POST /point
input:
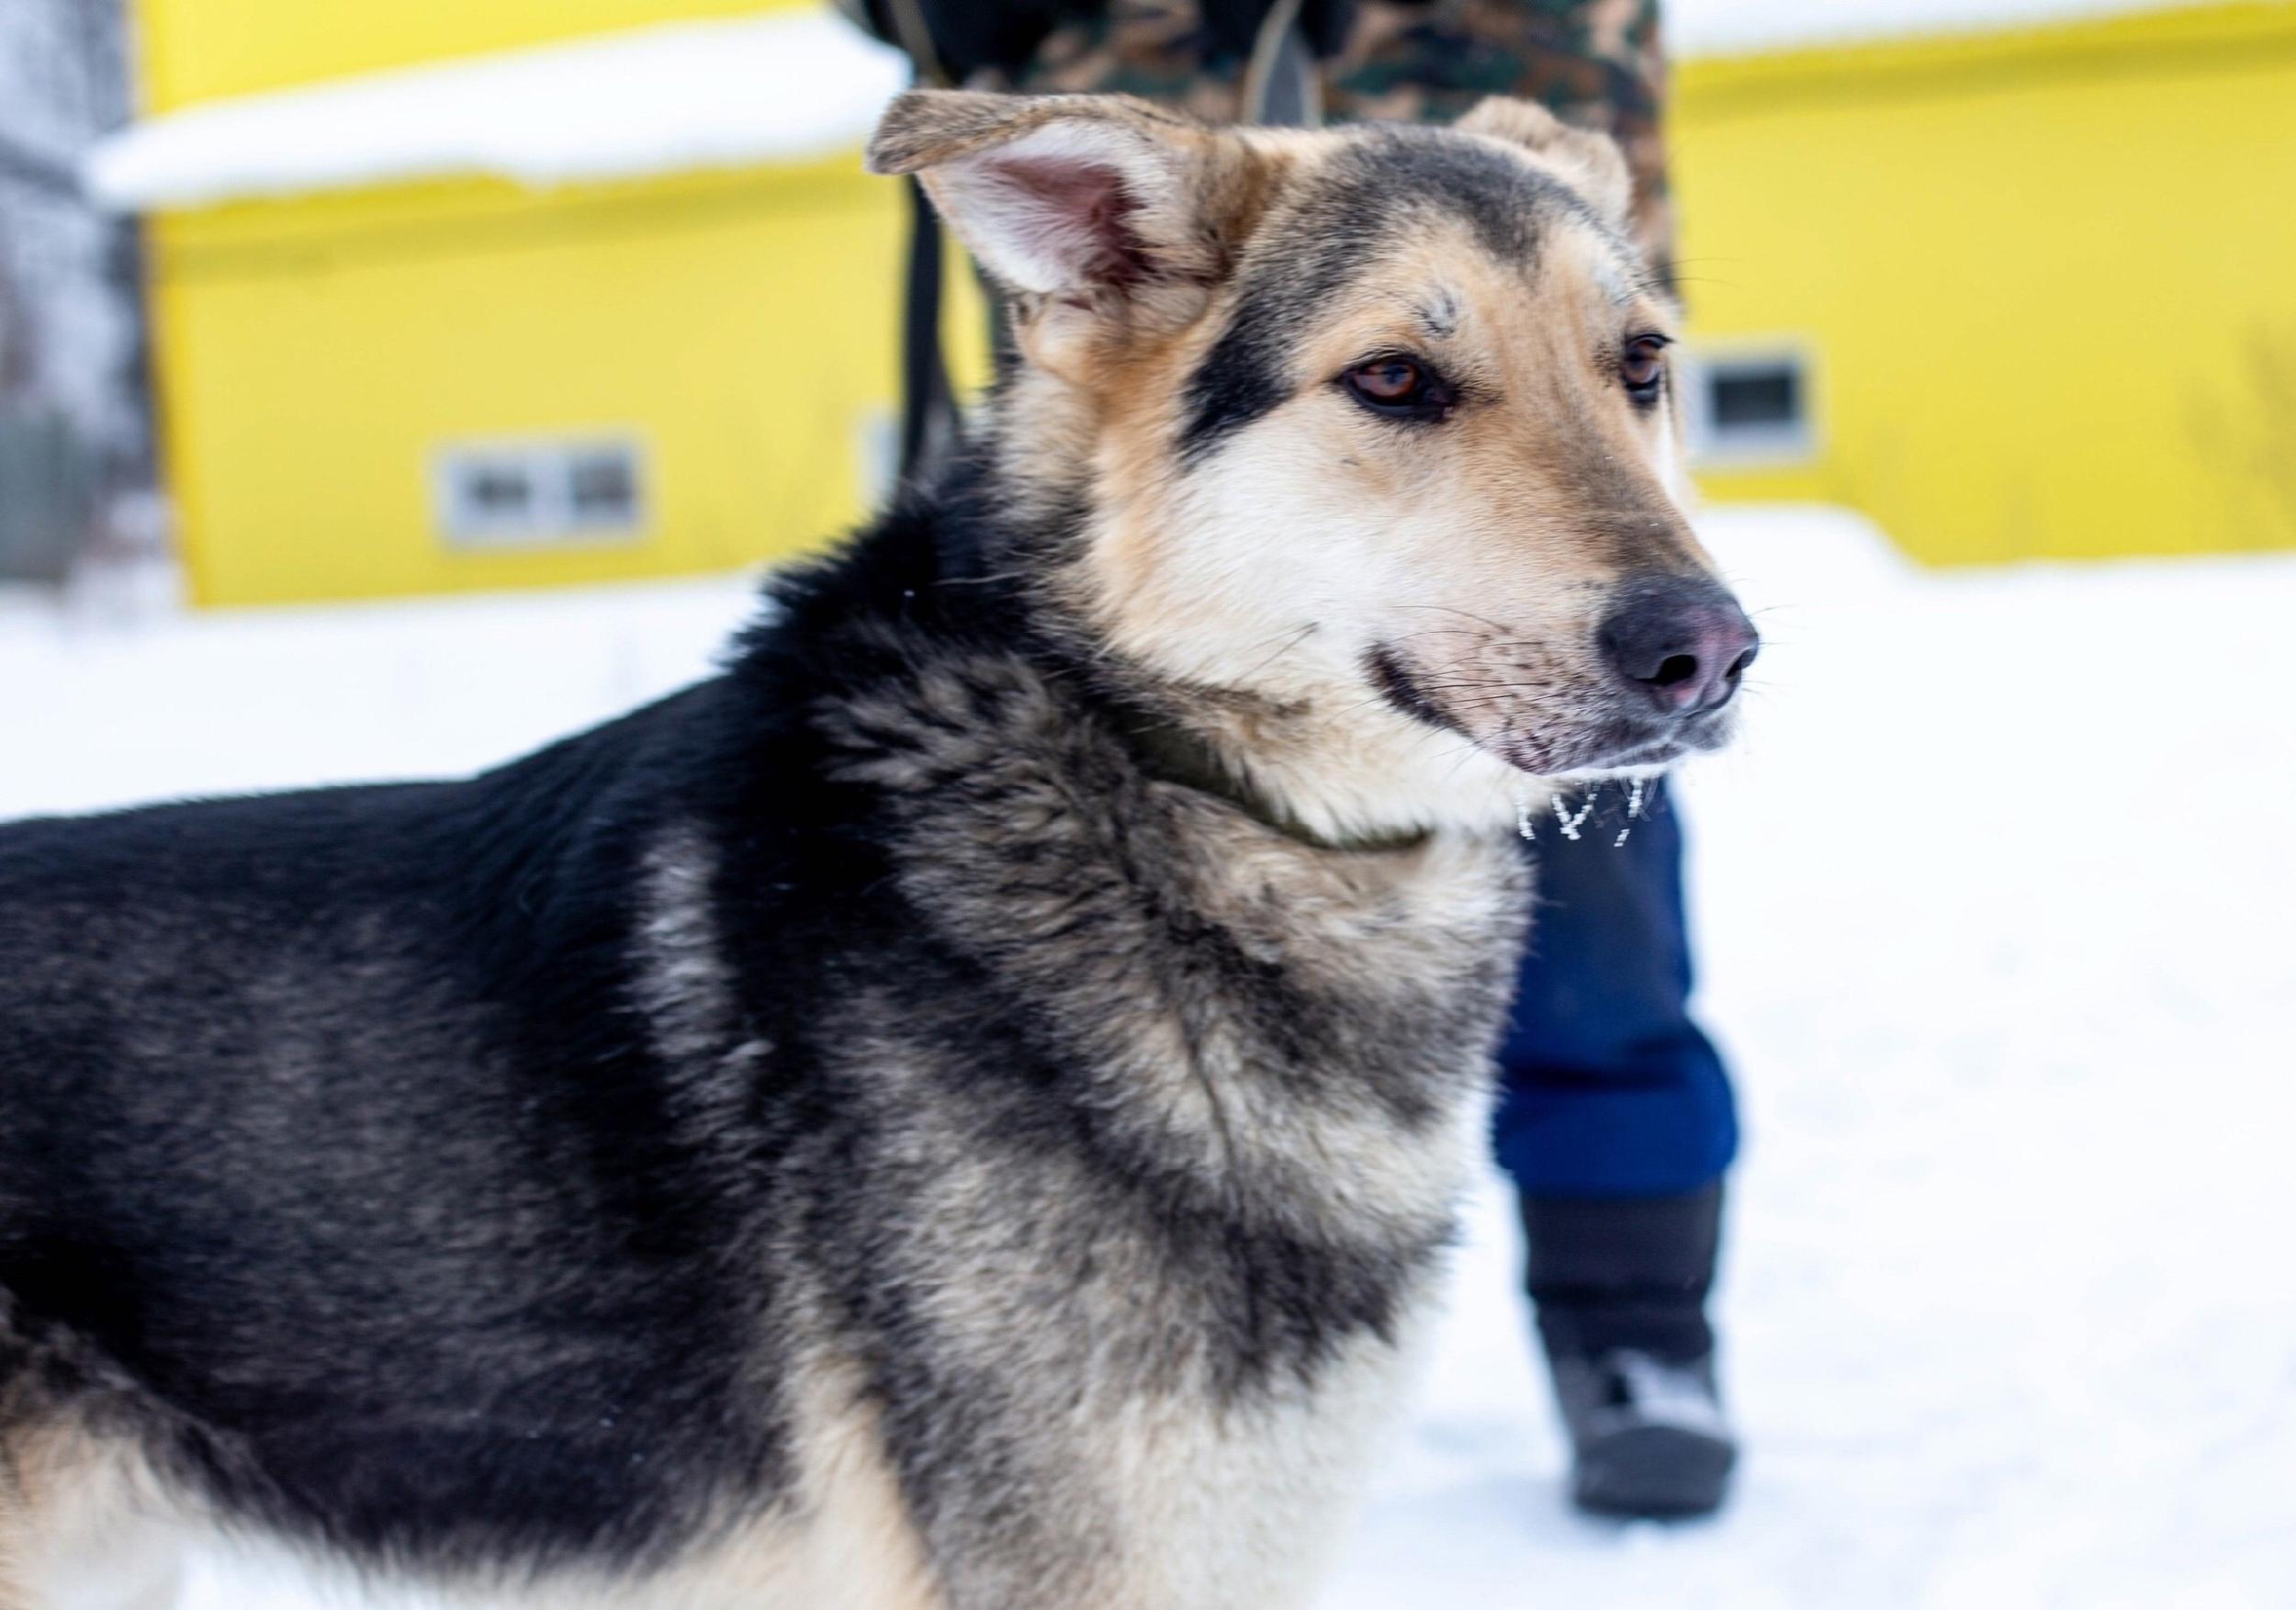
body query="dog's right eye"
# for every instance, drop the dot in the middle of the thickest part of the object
(1398, 387)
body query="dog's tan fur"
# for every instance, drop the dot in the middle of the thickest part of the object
(83, 1521)
(1486, 552)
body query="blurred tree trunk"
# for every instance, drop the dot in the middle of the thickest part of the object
(76, 436)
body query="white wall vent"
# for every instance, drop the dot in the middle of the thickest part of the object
(1749, 406)
(539, 494)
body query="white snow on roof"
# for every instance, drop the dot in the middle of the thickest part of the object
(778, 88)
(1741, 28)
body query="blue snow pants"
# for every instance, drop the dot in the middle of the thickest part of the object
(1609, 1089)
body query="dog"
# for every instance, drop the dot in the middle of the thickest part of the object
(964, 1109)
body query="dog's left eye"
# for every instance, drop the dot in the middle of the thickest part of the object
(1399, 388)
(1643, 368)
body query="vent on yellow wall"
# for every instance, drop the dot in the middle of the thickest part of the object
(534, 494)
(1749, 406)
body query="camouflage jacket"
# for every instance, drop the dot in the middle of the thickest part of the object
(1594, 63)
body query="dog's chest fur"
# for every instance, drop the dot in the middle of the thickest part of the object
(1161, 1118)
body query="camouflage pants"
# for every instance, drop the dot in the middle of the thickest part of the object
(1593, 63)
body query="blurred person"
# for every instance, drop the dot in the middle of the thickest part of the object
(1616, 1119)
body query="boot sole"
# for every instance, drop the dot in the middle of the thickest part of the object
(1653, 1472)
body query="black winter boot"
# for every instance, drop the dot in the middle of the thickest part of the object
(1620, 1288)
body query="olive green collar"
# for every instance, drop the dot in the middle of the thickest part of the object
(1171, 753)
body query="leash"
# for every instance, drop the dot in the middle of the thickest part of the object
(1281, 87)
(928, 403)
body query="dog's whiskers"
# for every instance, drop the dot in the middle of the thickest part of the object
(1467, 614)
(993, 578)
(1289, 643)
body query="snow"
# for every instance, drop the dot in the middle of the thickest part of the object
(779, 87)
(1734, 27)
(1995, 904)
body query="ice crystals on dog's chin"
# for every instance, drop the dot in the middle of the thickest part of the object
(1571, 824)
(1572, 821)
(1634, 812)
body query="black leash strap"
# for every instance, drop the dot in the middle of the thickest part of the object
(928, 404)
(1281, 85)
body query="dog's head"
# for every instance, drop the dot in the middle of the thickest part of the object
(1376, 429)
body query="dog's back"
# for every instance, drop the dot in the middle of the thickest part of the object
(333, 1144)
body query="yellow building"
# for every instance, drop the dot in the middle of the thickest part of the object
(465, 296)
(454, 296)
(2024, 295)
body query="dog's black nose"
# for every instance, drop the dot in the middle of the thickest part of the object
(1682, 639)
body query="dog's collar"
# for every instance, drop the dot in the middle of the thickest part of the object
(1170, 753)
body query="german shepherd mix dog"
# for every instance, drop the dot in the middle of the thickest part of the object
(963, 1110)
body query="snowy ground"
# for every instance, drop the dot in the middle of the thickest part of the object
(1995, 909)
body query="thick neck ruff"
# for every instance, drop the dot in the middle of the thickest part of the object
(968, 515)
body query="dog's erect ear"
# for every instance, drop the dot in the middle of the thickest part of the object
(1590, 164)
(1064, 195)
